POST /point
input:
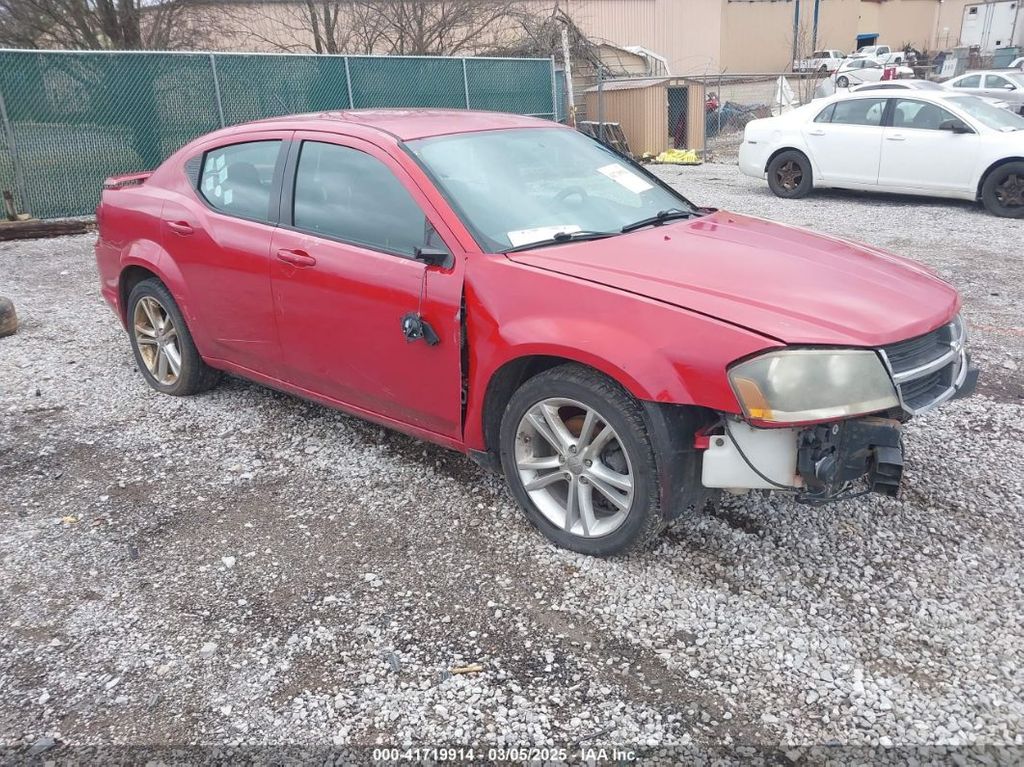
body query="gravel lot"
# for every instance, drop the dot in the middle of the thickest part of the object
(247, 568)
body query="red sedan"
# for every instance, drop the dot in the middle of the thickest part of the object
(509, 288)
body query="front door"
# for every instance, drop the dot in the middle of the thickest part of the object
(918, 155)
(344, 276)
(845, 140)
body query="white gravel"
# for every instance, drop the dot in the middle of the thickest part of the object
(247, 568)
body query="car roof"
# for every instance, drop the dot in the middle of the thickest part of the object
(407, 124)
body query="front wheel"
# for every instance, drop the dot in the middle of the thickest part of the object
(577, 455)
(1003, 191)
(790, 175)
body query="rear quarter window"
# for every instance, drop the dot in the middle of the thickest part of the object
(238, 179)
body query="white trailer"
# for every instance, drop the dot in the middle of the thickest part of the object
(993, 25)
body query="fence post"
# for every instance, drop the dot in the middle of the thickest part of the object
(721, 103)
(19, 179)
(216, 91)
(554, 91)
(348, 85)
(465, 81)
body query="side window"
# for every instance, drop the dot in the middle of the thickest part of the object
(970, 81)
(825, 115)
(237, 179)
(859, 112)
(995, 81)
(919, 114)
(343, 193)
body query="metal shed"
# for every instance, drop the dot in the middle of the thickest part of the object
(656, 113)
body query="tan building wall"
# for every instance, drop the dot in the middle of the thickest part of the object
(685, 32)
(695, 36)
(757, 36)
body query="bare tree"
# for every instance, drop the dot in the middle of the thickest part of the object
(94, 24)
(400, 27)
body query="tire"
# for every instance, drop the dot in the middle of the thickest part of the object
(842, 81)
(568, 392)
(157, 330)
(790, 175)
(1003, 191)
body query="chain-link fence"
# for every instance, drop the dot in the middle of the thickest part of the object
(733, 100)
(70, 119)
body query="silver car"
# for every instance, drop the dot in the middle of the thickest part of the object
(1003, 84)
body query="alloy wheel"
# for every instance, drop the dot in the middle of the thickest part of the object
(574, 467)
(789, 175)
(157, 340)
(1010, 191)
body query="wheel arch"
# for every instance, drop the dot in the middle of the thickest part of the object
(670, 426)
(787, 148)
(131, 276)
(515, 371)
(989, 170)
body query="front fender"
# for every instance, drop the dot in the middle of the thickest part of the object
(657, 352)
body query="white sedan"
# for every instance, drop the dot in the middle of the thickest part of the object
(906, 142)
(865, 70)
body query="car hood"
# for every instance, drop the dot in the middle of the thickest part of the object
(780, 281)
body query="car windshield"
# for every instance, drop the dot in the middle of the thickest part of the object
(514, 187)
(988, 115)
(1016, 77)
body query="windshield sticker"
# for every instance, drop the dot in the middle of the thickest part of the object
(539, 234)
(624, 177)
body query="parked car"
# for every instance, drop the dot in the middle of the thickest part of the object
(871, 51)
(820, 61)
(512, 289)
(917, 142)
(922, 85)
(863, 70)
(1003, 84)
(1017, 63)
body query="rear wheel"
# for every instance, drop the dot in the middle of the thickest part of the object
(577, 455)
(842, 81)
(789, 174)
(164, 351)
(1003, 191)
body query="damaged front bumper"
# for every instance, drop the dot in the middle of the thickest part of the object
(819, 463)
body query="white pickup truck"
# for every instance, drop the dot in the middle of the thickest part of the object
(820, 61)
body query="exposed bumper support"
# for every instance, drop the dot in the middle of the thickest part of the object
(817, 462)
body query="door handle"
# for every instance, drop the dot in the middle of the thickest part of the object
(895, 137)
(818, 132)
(296, 257)
(181, 228)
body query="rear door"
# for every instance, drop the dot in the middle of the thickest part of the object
(344, 277)
(845, 140)
(218, 235)
(918, 155)
(969, 84)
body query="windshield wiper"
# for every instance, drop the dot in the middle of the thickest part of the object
(659, 218)
(560, 238)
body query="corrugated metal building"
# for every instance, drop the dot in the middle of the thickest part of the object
(655, 113)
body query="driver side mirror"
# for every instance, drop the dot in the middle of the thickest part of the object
(955, 126)
(1009, 87)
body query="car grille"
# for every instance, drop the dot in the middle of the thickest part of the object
(927, 369)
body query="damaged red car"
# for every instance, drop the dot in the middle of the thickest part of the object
(512, 289)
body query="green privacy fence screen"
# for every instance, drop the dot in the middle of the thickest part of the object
(70, 119)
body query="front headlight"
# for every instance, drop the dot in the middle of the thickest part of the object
(795, 385)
